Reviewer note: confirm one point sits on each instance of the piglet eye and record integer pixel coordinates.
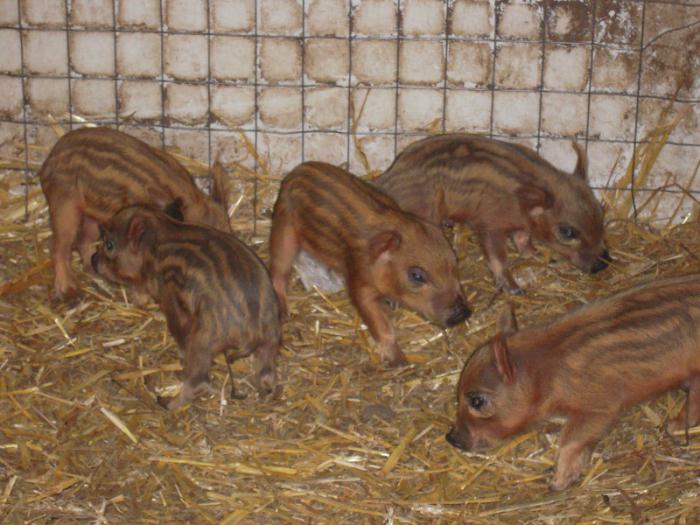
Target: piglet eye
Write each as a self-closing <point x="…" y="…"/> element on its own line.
<point x="417" y="275"/>
<point x="476" y="400"/>
<point x="109" y="245"/>
<point x="567" y="232"/>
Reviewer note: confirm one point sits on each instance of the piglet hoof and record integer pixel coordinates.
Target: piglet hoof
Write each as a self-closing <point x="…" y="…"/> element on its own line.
<point x="65" y="290"/>
<point x="507" y="284"/>
<point x="677" y="424"/>
<point x="396" y="359"/>
<point x="168" y="403"/>
<point x="511" y="289"/>
<point x="237" y="396"/>
<point x="557" y="485"/>
<point x="266" y="383"/>
<point x="140" y="298"/>
<point x="563" y="478"/>
<point x="69" y="297"/>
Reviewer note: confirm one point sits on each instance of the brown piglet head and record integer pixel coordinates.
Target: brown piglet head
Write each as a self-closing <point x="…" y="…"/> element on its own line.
<point x="569" y="219"/>
<point x="494" y="394"/>
<point x="127" y="239"/>
<point x="417" y="267"/>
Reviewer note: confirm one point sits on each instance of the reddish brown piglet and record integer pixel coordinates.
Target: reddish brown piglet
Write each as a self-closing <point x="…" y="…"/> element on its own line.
<point x="216" y="294"/>
<point x="91" y="173"/>
<point x="500" y="190"/>
<point x="586" y="366"/>
<point x="380" y="250"/>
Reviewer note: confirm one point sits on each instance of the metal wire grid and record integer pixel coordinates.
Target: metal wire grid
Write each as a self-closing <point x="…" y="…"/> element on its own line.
<point x="352" y="37"/>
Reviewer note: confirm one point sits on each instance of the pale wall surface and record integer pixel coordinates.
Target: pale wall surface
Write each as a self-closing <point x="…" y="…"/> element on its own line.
<point x="292" y="75"/>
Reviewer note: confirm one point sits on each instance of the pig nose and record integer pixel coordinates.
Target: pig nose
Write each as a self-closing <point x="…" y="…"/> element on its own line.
<point x="94" y="261"/>
<point x="601" y="263"/>
<point x="454" y="441"/>
<point x="460" y="312"/>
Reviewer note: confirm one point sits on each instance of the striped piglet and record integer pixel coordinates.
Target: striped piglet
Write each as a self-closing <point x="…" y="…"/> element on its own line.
<point x="587" y="366"/>
<point x="215" y="292"/>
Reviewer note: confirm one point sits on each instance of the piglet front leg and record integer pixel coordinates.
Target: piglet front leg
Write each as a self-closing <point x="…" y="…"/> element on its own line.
<point x="194" y="339"/>
<point x="493" y="242"/>
<point x="369" y="304"/>
<point x="691" y="412"/>
<point x="579" y="434"/>
<point x="197" y="362"/>
<point x="523" y="242"/>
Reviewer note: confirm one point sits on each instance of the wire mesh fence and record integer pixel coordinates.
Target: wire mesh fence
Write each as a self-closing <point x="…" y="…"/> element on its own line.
<point x="353" y="82"/>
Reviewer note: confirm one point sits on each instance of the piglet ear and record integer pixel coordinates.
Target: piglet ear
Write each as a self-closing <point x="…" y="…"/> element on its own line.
<point x="174" y="210"/>
<point x="218" y="184"/>
<point x="137" y="229"/>
<point x="382" y="244"/>
<point x="581" y="169"/>
<point x="502" y="357"/>
<point x="507" y="323"/>
<point x="534" y="200"/>
<point x="440" y="206"/>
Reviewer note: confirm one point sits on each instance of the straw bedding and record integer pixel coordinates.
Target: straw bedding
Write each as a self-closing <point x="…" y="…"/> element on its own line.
<point x="346" y="440"/>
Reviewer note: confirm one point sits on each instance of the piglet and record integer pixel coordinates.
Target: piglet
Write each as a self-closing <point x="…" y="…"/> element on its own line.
<point x="381" y="251"/>
<point x="215" y="292"/>
<point x="500" y="190"/>
<point x="586" y="366"/>
<point x="91" y="173"/>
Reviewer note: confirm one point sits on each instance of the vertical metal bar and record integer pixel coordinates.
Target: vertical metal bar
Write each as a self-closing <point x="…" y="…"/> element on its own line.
<point x="116" y="74"/>
<point x="543" y="29"/>
<point x="256" y="125"/>
<point x="636" y="113"/>
<point x="399" y="24"/>
<point x="590" y="74"/>
<point x="446" y="49"/>
<point x="494" y="39"/>
<point x="303" y="85"/>
<point x="209" y="82"/>
<point x="69" y="67"/>
<point x="23" y="80"/>
<point x="162" y="75"/>
<point x="348" y="131"/>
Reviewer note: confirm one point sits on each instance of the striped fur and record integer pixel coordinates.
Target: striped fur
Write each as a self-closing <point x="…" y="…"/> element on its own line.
<point x="91" y="173"/>
<point x="501" y="190"/>
<point x="382" y="251"/>
<point x="215" y="292"/>
<point x="588" y="366"/>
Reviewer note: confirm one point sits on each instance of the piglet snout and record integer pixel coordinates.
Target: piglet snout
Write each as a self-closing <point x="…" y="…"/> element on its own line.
<point x="94" y="261"/>
<point x="602" y="262"/>
<point x="460" y="312"/>
<point x="453" y="438"/>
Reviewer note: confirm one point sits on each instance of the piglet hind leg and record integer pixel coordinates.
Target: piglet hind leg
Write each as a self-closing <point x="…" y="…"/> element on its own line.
<point x="690" y="410"/>
<point x="374" y="315"/>
<point x="66" y="219"/>
<point x="265" y="367"/>
<point x="284" y="246"/>
<point x="577" y="437"/>
<point x="494" y="245"/>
